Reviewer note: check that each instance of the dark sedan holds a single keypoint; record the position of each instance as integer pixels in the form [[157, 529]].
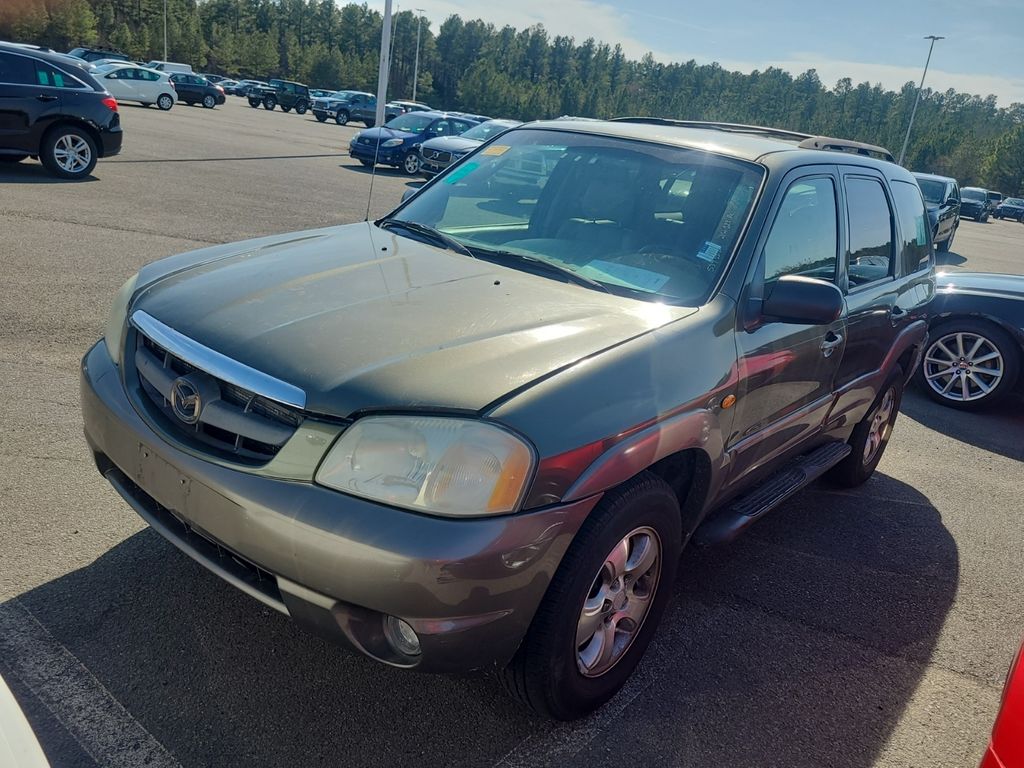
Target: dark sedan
[[976, 339], [1011, 208], [55, 110], [195, 89]]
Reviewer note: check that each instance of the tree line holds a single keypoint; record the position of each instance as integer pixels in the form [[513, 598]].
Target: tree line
[[529, 74]]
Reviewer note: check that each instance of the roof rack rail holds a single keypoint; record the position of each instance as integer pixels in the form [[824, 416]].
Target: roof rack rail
[[845, 145], [759, 130]]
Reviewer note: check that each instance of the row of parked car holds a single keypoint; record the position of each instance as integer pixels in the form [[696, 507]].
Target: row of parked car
[[948, 203]]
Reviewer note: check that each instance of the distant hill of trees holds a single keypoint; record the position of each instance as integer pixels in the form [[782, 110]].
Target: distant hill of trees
[[530, 74]]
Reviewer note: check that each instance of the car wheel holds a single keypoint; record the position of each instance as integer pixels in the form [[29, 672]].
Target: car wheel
[[12, 158], [301, 108], [871, 435], [342, 117], [254, 103], [946, 244], [209, 102], [68, 152], [411, 164], [369, 123], [604, 603], [969, 364], [269, 104], [165, 102], [286, 109], [320, 118]]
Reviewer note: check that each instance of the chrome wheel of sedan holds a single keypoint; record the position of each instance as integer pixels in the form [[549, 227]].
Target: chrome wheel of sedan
[[963, 366], [72, 154], [618, 602]]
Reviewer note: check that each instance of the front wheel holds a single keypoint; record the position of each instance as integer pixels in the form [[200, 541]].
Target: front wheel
[[254, 103], [604, 603], [969, 364], [165, 102], [342, 117], [301, 108], [871, 435], [209, 102], [68, 152], [269, 103], [411, 164], [286, 109], [320, 118], [946, 244]]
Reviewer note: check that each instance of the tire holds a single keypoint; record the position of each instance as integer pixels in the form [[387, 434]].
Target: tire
[[994, 340], [411, 164], [286, 109], [342, 117], [369, 123], [68, 152], [269, 104], [319, 117], [209, 102], [301, 108], [946, 244], [12, 159], [553, 674], [871, 435], [254, 103], [165, 101]]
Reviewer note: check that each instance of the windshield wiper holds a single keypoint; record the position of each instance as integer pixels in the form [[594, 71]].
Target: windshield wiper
[[435, 235], [547, 266]]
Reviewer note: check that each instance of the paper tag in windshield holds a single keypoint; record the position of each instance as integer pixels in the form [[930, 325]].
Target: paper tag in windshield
[[709, 252], [496, 149]]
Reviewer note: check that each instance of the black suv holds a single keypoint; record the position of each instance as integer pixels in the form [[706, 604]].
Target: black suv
[[538, 399], [974, 204], [55, 110], [942, 196], [196, 89], [289, 95]]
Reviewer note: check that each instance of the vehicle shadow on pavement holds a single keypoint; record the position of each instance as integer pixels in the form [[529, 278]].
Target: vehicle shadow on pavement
[[798, 645], [997, 428], [949, 259], [33, 172]]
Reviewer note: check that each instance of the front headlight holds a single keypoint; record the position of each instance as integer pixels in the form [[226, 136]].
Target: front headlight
[[113, 332], [439, 465], [392, 143]]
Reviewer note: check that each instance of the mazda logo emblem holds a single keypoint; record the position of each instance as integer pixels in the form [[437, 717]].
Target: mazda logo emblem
[[185, 401]]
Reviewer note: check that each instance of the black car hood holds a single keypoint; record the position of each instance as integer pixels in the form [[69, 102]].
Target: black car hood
[[360, 318]]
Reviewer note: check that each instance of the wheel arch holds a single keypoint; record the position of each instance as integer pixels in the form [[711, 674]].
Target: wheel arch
[[962, 314], [83, 125]]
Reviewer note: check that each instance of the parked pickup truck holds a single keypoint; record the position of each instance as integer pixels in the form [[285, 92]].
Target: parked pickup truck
[[480, 430], [353, 106], [287, 94]]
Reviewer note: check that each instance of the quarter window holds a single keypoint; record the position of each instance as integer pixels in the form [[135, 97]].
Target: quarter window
[[913, 227], [16, 69], [54, 78], [871, 231], [804, 238]]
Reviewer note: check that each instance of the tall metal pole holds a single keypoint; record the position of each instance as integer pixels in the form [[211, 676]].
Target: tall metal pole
[[165, 30], [385, 63], [416, 66], [906, 139]]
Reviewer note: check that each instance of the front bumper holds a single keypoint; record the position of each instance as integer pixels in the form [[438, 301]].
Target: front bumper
[[336, 564], [385, 155]]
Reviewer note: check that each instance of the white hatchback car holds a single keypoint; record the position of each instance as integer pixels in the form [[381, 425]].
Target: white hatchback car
[[130, 82]]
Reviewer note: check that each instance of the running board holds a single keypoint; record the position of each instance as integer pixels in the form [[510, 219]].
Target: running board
[[729, 522]]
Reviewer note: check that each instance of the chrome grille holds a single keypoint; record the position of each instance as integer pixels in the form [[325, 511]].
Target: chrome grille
[[234, 422]]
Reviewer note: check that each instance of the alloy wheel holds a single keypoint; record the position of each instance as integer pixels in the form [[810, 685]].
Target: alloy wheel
[[72, 153], [881, 425], [963, 366], [618, 602], [412, 164]]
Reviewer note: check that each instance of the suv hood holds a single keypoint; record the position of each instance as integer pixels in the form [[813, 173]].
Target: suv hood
[[362, 318], [452, 144], [983, 283]]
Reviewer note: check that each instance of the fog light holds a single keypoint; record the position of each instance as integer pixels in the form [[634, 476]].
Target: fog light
[[401, 636]]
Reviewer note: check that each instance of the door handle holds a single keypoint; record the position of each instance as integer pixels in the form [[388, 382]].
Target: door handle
[[832, 340], [896, 314], [45, 97]]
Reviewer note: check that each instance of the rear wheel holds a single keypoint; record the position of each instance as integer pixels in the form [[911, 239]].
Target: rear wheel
[[286, 109], [165, 102], [604, 603], [68, 152], [342, 117], [969, 364], [209, 102], [871, 435]]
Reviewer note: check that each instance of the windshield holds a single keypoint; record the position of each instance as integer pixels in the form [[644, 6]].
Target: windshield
[[644, 220], [485, 131], [972, 194], [410, 122], [933, 191], [1013, 201]]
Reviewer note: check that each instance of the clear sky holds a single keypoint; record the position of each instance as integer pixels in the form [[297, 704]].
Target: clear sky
[[879, 41]]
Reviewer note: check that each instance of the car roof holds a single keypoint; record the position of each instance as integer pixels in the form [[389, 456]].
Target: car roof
[[78, 67], [933, 177], [976, 189], [743, 142]]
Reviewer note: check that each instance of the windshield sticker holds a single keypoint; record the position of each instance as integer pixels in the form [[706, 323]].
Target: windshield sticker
[[709, 252], [496, 149], [460, 173], [621, 274]]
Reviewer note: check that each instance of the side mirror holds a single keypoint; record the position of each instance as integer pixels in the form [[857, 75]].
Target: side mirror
[[803, 300], [409, 193], [952, 201]]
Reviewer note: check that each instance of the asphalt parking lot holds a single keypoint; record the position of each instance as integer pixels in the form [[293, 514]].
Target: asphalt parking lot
[[863, 628]]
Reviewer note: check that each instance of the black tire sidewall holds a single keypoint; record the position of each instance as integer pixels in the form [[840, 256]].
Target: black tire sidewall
[[1009, 349]]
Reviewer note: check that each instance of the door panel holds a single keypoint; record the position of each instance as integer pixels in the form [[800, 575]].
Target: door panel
[[20, 104], [787, 371]]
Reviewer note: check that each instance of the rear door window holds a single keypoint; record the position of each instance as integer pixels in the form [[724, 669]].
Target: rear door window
[[18, 70], [871, 231]]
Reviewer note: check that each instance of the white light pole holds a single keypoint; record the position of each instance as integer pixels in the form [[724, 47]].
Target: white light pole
[[385, 63], [906, 139], [416, 66], [165, 30]]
